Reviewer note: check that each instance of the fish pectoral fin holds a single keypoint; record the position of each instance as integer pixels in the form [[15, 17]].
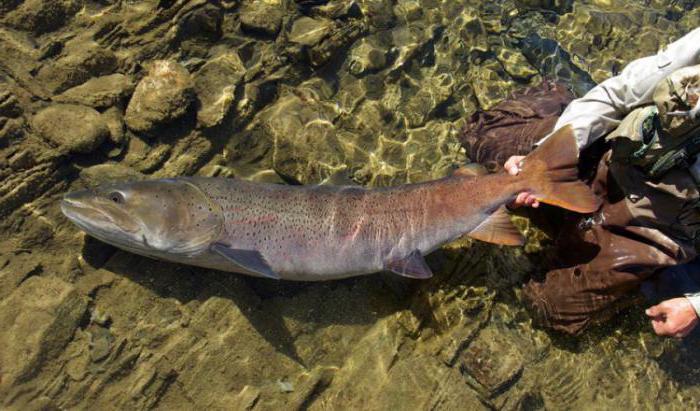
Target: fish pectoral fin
[[498, 229], [250, 260], [411, 266]]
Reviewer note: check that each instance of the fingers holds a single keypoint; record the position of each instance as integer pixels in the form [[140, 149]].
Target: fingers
[[654, 311], [512, 166], [531, 201], [660, 327], [525, 199]]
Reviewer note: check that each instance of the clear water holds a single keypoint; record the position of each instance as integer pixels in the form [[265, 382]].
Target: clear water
[[373, 91]]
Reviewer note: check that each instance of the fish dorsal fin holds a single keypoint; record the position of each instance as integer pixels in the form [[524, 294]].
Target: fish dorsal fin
[[411, 266], [250, 260], [498, 229], [470, 170]]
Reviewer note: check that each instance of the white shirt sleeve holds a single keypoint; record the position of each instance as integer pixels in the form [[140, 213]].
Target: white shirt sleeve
[[694, 301], [603, 107]]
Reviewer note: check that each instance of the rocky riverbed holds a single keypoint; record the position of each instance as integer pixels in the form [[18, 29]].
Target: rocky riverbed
[[374, 91]]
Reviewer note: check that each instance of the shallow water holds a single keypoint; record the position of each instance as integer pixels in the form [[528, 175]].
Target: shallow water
[[370, 91]]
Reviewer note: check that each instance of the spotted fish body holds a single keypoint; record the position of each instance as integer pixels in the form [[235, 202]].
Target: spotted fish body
[[312, 233], [324, 232]]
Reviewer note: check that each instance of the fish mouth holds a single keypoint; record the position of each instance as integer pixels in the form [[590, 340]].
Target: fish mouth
[[90, 218]]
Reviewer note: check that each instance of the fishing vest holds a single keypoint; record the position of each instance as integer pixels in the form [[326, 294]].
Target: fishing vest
[[652, 155]]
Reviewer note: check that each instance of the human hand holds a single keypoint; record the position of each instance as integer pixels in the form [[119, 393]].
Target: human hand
[[674, 318], [512, 166]]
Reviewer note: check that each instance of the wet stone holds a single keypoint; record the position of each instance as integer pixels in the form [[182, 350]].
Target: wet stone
[[36, 321], [215, 84], [114, 119], [108, 173], [366, 57], [76, 68], [101, 341], [309, 31], [258, 17], [162, 96], [78, 129], [492, 362], [42, 16], [99, 92], [337, 9], [11, 120]]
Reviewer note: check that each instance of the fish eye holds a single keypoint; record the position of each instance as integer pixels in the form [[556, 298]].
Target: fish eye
[[116, 197]]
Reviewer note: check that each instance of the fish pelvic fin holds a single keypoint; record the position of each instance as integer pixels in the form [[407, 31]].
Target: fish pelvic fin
[[498, 229], [411, 266], [551, 172], [250, 260]]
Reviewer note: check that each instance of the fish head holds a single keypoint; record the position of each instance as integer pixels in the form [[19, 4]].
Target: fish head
[[158, 217]]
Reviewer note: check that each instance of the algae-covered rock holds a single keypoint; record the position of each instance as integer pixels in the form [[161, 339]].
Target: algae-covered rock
[[87, 61], [262, 17], [108, 173], [41, 16], [36, 322], [99, 92], [78, 129], [114, 119], [163, 95], [215, 84], [11, 120], [309, 32], [492, 362], [365, 57]]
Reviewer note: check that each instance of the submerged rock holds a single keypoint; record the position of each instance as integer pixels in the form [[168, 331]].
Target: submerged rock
[[11, 120], [41, 16], [99, 92], [262, 17], [367, 57], [36, 322], [163, 95], [215, 84], [87, 61], [309, 32], [108, 173], [78, 129], [114, 119], [492, 362]]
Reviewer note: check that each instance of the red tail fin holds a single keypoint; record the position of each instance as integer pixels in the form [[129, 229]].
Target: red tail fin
[[552, 174]]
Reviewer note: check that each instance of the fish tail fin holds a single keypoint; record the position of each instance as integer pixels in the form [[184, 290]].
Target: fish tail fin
[[551, 172]]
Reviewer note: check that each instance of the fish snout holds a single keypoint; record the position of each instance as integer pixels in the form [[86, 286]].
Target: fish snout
[[76, 199]]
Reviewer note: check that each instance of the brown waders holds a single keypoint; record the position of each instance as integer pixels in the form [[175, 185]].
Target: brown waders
[[600, 260]]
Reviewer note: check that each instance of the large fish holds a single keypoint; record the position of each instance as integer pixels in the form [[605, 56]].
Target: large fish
[[312, 233]]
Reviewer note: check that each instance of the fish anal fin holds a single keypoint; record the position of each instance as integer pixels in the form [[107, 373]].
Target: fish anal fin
[[411, 266], [250, 260], [498, 229]]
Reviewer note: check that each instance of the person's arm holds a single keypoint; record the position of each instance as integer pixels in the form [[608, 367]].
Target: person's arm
[[603, 107]]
